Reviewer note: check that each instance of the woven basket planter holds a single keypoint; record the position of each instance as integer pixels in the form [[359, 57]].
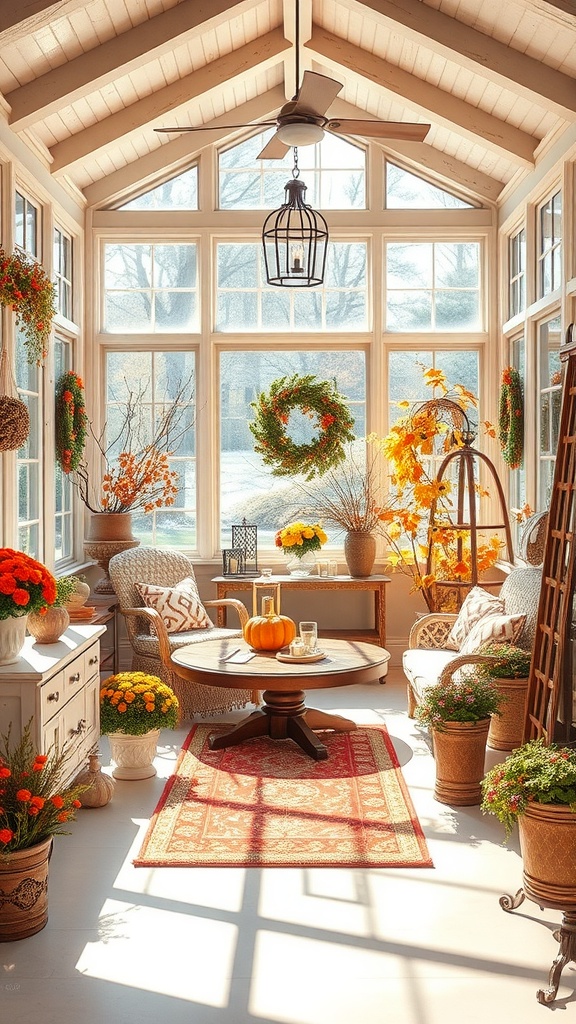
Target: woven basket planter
[[459, 753], [507, 730], [548, 843]]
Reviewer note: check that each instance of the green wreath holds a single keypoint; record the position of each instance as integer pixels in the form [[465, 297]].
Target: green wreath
[[511, 418], [321, 402], [71, 421]]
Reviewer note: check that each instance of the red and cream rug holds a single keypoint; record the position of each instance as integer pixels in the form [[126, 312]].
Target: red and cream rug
[[264, 803]]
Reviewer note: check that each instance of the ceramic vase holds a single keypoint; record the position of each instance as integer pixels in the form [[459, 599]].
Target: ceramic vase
[[12, 636], [133, 756], [359, 552], [24, 891], [99, 787], [48, 628], [301, 566], [459, 753]]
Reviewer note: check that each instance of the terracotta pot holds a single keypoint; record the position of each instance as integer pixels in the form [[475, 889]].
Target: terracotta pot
[[48, 628], [507, 730], [24, 891], [12, 636], [548, 844], [109, 533], [459, 753], [133, 755], [359, 552]]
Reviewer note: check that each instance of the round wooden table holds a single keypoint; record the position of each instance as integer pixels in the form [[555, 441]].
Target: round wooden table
[[283, 714]]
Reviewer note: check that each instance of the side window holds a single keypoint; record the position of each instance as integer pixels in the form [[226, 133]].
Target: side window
[[550, 401], [64, 493], [62, 257], [29, 456], [26, 224], [517, 273], [550, 245]]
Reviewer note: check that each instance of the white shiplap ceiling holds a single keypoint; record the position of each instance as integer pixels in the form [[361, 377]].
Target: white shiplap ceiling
[[87, 81]]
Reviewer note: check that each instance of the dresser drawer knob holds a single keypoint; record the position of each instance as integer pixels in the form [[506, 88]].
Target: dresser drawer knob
[[81, 727], [75, 678], [94, 660], [54, 696]]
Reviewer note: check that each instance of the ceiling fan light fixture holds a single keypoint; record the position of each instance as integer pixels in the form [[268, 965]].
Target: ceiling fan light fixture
[[302, 133], [295, 240]]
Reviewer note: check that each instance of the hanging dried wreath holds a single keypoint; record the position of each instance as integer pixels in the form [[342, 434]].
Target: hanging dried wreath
[[318, 400], [71, 421], [25, 287], [511, 418]]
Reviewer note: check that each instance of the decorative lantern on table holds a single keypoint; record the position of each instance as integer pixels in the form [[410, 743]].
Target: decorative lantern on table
[[242, 558]]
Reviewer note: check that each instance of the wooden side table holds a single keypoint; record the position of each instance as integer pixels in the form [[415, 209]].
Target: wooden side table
[[106, 614], [319, 584]]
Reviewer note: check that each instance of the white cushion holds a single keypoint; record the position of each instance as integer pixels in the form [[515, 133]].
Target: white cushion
[[477, 603], [495, 629], [423, 667], [180, 606]]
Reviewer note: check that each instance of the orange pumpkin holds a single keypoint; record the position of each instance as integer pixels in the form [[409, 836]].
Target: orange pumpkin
[[269, 632]]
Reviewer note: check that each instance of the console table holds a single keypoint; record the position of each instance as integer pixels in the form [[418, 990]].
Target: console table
[[320, 584]]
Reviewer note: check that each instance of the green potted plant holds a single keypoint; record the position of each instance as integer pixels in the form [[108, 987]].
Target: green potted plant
[[134, 706], [508, 668], [458, 714], [35, 806], [536, 787]]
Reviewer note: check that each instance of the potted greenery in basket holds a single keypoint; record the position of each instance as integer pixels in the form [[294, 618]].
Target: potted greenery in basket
[[134, 706], [508, 668], [35, 805], [458, 714], [536, 787]]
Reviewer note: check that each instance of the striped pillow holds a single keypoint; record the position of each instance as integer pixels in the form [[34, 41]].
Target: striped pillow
[[496, 629], [180, 606]]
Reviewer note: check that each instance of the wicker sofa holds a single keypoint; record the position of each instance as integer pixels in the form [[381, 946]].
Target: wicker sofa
[[428, 661]]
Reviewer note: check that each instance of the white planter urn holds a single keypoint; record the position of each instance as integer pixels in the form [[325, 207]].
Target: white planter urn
[[133, 756], [12, 636]]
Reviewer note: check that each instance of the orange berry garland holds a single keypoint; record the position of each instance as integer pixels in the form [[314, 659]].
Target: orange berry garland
[[25, 287], [71, 421]]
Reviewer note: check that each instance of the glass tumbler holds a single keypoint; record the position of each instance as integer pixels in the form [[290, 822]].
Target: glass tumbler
[[309, 636]]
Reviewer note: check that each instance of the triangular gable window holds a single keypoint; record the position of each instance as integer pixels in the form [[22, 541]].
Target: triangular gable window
[[406, 191], [179, 193]]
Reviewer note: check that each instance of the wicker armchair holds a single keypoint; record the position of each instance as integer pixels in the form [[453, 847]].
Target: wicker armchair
[[151, 651], [428, 661]]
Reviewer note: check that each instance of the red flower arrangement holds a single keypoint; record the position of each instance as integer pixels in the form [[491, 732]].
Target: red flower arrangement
[[25, 287], [34, 802], [25, 585]]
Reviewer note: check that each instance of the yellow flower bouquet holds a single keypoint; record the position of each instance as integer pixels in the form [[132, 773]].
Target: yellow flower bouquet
[[300, 538], [135, 702]]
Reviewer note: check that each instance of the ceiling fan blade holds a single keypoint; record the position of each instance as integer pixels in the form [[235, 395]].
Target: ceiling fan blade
[[315, 94], [409, 131], [274, 149], [211, 127]]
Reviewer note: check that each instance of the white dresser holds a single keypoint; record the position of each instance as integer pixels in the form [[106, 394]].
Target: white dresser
[[57, 686]]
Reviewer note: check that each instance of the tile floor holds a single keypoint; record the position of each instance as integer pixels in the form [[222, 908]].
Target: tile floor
[[423, 946]]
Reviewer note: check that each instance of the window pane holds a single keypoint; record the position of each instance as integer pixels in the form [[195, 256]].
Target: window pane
[[406, 191], [247, 487], [409, 264], [150, 288], [451, 269], [179, 193]]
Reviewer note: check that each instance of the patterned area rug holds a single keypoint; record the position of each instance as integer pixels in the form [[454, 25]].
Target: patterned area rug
[[264, 803]]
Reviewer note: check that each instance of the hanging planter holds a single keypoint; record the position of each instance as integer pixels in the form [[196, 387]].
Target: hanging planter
[[14, 415], [25, 287], [71, 421], [511, 418]]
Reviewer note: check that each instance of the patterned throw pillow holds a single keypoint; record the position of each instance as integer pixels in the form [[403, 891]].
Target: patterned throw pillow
[[180, 606], [477, 603], [495, 629]]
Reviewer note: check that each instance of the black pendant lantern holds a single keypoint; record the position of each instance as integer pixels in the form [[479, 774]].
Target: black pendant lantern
[[295, 240]]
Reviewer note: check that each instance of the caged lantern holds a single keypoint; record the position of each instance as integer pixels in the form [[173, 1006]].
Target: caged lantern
[[295, 239]]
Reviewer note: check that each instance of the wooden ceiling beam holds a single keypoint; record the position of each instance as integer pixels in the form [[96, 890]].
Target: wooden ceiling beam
[[19, 19], [257, 55], [167, 159], [430, 102], [466, 46], [104, 64]]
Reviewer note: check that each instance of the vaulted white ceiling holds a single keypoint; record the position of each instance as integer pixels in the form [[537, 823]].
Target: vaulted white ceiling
[[85, 82]]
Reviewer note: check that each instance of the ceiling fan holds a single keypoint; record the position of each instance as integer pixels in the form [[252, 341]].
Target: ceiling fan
[[302, 121]]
